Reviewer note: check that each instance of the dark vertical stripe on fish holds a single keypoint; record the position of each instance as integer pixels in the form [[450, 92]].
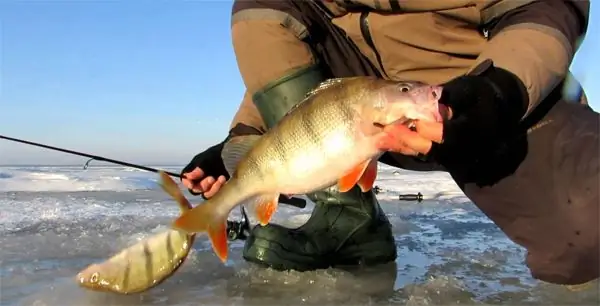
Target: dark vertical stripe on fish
[[149, 265], [347, 114], [278, 143], [170, 252], [310, 128], [126, 275]]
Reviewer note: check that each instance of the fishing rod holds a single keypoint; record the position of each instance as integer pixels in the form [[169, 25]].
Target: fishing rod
[[92, 157], [297, 202]]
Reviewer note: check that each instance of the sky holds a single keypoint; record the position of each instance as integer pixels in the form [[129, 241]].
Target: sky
[[150, 82]]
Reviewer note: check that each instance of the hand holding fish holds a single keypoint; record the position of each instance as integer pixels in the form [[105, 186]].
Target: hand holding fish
[[199, 182], [402, 139], [206, 173], [476, 119], [418, 137]]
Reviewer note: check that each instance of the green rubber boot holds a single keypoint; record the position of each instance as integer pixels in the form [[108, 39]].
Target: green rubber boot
[[344, 229]]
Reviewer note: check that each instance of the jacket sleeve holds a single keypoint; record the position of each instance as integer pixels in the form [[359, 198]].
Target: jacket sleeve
[[247, 115], [265, 51], [536, 42]]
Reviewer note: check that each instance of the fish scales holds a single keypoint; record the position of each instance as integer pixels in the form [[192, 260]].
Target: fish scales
[[146, 263], [318, 134], [130, 277], [333, 135]]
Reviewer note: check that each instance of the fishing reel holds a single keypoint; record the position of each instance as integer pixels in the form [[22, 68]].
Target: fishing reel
[[239, 230]]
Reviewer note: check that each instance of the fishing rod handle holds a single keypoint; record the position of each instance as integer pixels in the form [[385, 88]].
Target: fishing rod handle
[[296, 202]]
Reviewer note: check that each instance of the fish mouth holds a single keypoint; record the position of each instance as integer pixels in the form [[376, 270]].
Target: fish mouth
[[80, 279], [407, 122]]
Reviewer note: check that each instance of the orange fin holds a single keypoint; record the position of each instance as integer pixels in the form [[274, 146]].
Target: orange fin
[[368, 177], [265, 207], [202, 218], [217, 233], [197, 219], [352, 177], [171, 188]]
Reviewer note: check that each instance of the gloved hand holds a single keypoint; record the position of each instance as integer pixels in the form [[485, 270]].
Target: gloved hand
[[486, 107], [205, 174]]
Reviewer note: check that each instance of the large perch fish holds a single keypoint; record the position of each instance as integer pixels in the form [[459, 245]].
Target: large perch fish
[[331, 136], [147, 263]]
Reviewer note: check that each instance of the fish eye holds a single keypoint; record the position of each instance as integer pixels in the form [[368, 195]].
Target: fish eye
[[404, 87], [94, 277]]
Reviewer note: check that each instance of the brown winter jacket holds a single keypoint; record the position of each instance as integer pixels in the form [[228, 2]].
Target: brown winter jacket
[[431, 41]]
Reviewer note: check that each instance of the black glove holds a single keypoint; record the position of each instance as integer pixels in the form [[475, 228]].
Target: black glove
[[210, 162], [487, 106]]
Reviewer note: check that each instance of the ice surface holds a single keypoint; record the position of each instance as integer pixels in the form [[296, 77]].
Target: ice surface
[[56, 220]]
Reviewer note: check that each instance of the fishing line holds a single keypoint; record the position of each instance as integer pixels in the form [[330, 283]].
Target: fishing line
[[297, 202], [92, 157]]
